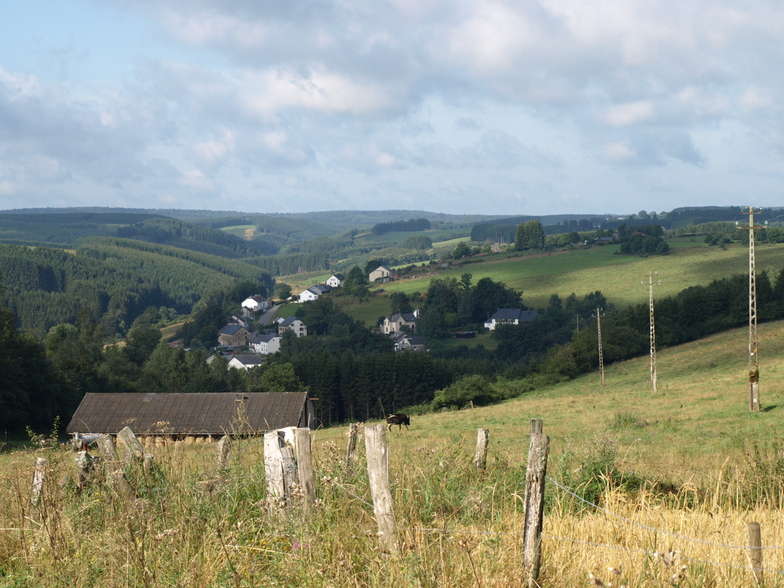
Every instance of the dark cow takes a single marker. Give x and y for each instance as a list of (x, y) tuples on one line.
[(398, 419)]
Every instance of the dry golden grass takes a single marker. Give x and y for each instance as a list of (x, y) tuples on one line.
[(711, 468)]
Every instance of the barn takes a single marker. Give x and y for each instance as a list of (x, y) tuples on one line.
[(179, 416)]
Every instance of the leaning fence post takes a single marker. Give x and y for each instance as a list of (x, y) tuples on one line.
[(353, 431), (224, 453), (755, 547), (39, 477), (133, 448), (535, 475), (305, 465), (482, 439), (378, 472)]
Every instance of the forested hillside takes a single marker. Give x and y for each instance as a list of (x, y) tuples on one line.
[(114, 280)]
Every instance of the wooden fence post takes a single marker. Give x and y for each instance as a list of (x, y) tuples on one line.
[(353, 431), (755, 547), (133, 448), (39, 477), (535, 476), (273, 467), (305, 465), (482, 439), (84, 465), (378, 472), (536, 426), (224, 453)]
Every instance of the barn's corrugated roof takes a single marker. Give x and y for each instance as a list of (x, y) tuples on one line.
[(189, 414)]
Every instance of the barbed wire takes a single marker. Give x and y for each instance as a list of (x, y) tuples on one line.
[(648, 527)]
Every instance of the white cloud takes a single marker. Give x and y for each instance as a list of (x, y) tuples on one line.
[(622, 115)]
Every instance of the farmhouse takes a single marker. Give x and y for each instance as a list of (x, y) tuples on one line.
[(396, 322), (509, 316), (234, 336), (381, 273), (405, 342), (255, 303), (336, 281), (266, 344), (293, 324), (313, 292), (195, 414)]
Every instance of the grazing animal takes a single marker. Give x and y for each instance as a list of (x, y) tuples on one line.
[(398, 419)]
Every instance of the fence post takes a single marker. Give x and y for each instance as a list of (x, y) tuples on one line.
[(353, 431), (305, 465), (273, 466), (535, 475), (133, 449), (482, 439), (39, 477), (378, 472), (224, 453), (755, 547), (536, 426)]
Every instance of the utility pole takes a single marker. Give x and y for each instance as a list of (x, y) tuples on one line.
[(578, 322), (652, 329), (754, 393), (599, 316)]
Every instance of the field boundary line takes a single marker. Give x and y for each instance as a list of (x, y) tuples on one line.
[(648, 527)]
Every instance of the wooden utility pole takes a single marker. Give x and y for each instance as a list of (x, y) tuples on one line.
[(599, 316), (651, 284), (754, 392)]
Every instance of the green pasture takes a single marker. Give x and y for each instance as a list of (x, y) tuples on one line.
[(697, 419), (437, 236), (618, 277)]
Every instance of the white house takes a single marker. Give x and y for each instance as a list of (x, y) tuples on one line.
[(255, 303), (313, 292), (509, 316), (381, 273), (336, 281), (293, 324), (266, 344), (245, 362)]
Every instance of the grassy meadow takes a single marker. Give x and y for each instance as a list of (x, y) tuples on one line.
[(582, 271), (679, 474)]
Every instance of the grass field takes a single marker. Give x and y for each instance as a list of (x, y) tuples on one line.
[(711, 467), (618, 277)]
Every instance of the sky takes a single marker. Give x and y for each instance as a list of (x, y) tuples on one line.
[(459, 106)]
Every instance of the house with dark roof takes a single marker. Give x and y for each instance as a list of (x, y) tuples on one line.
[(256, 302), (509, 316), (313, 292), (396, 322), (194, 414), (335, 280), (293, 324), (234, 336), (266, 344)]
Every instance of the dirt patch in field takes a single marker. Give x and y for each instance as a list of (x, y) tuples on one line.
[(248, 234)]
